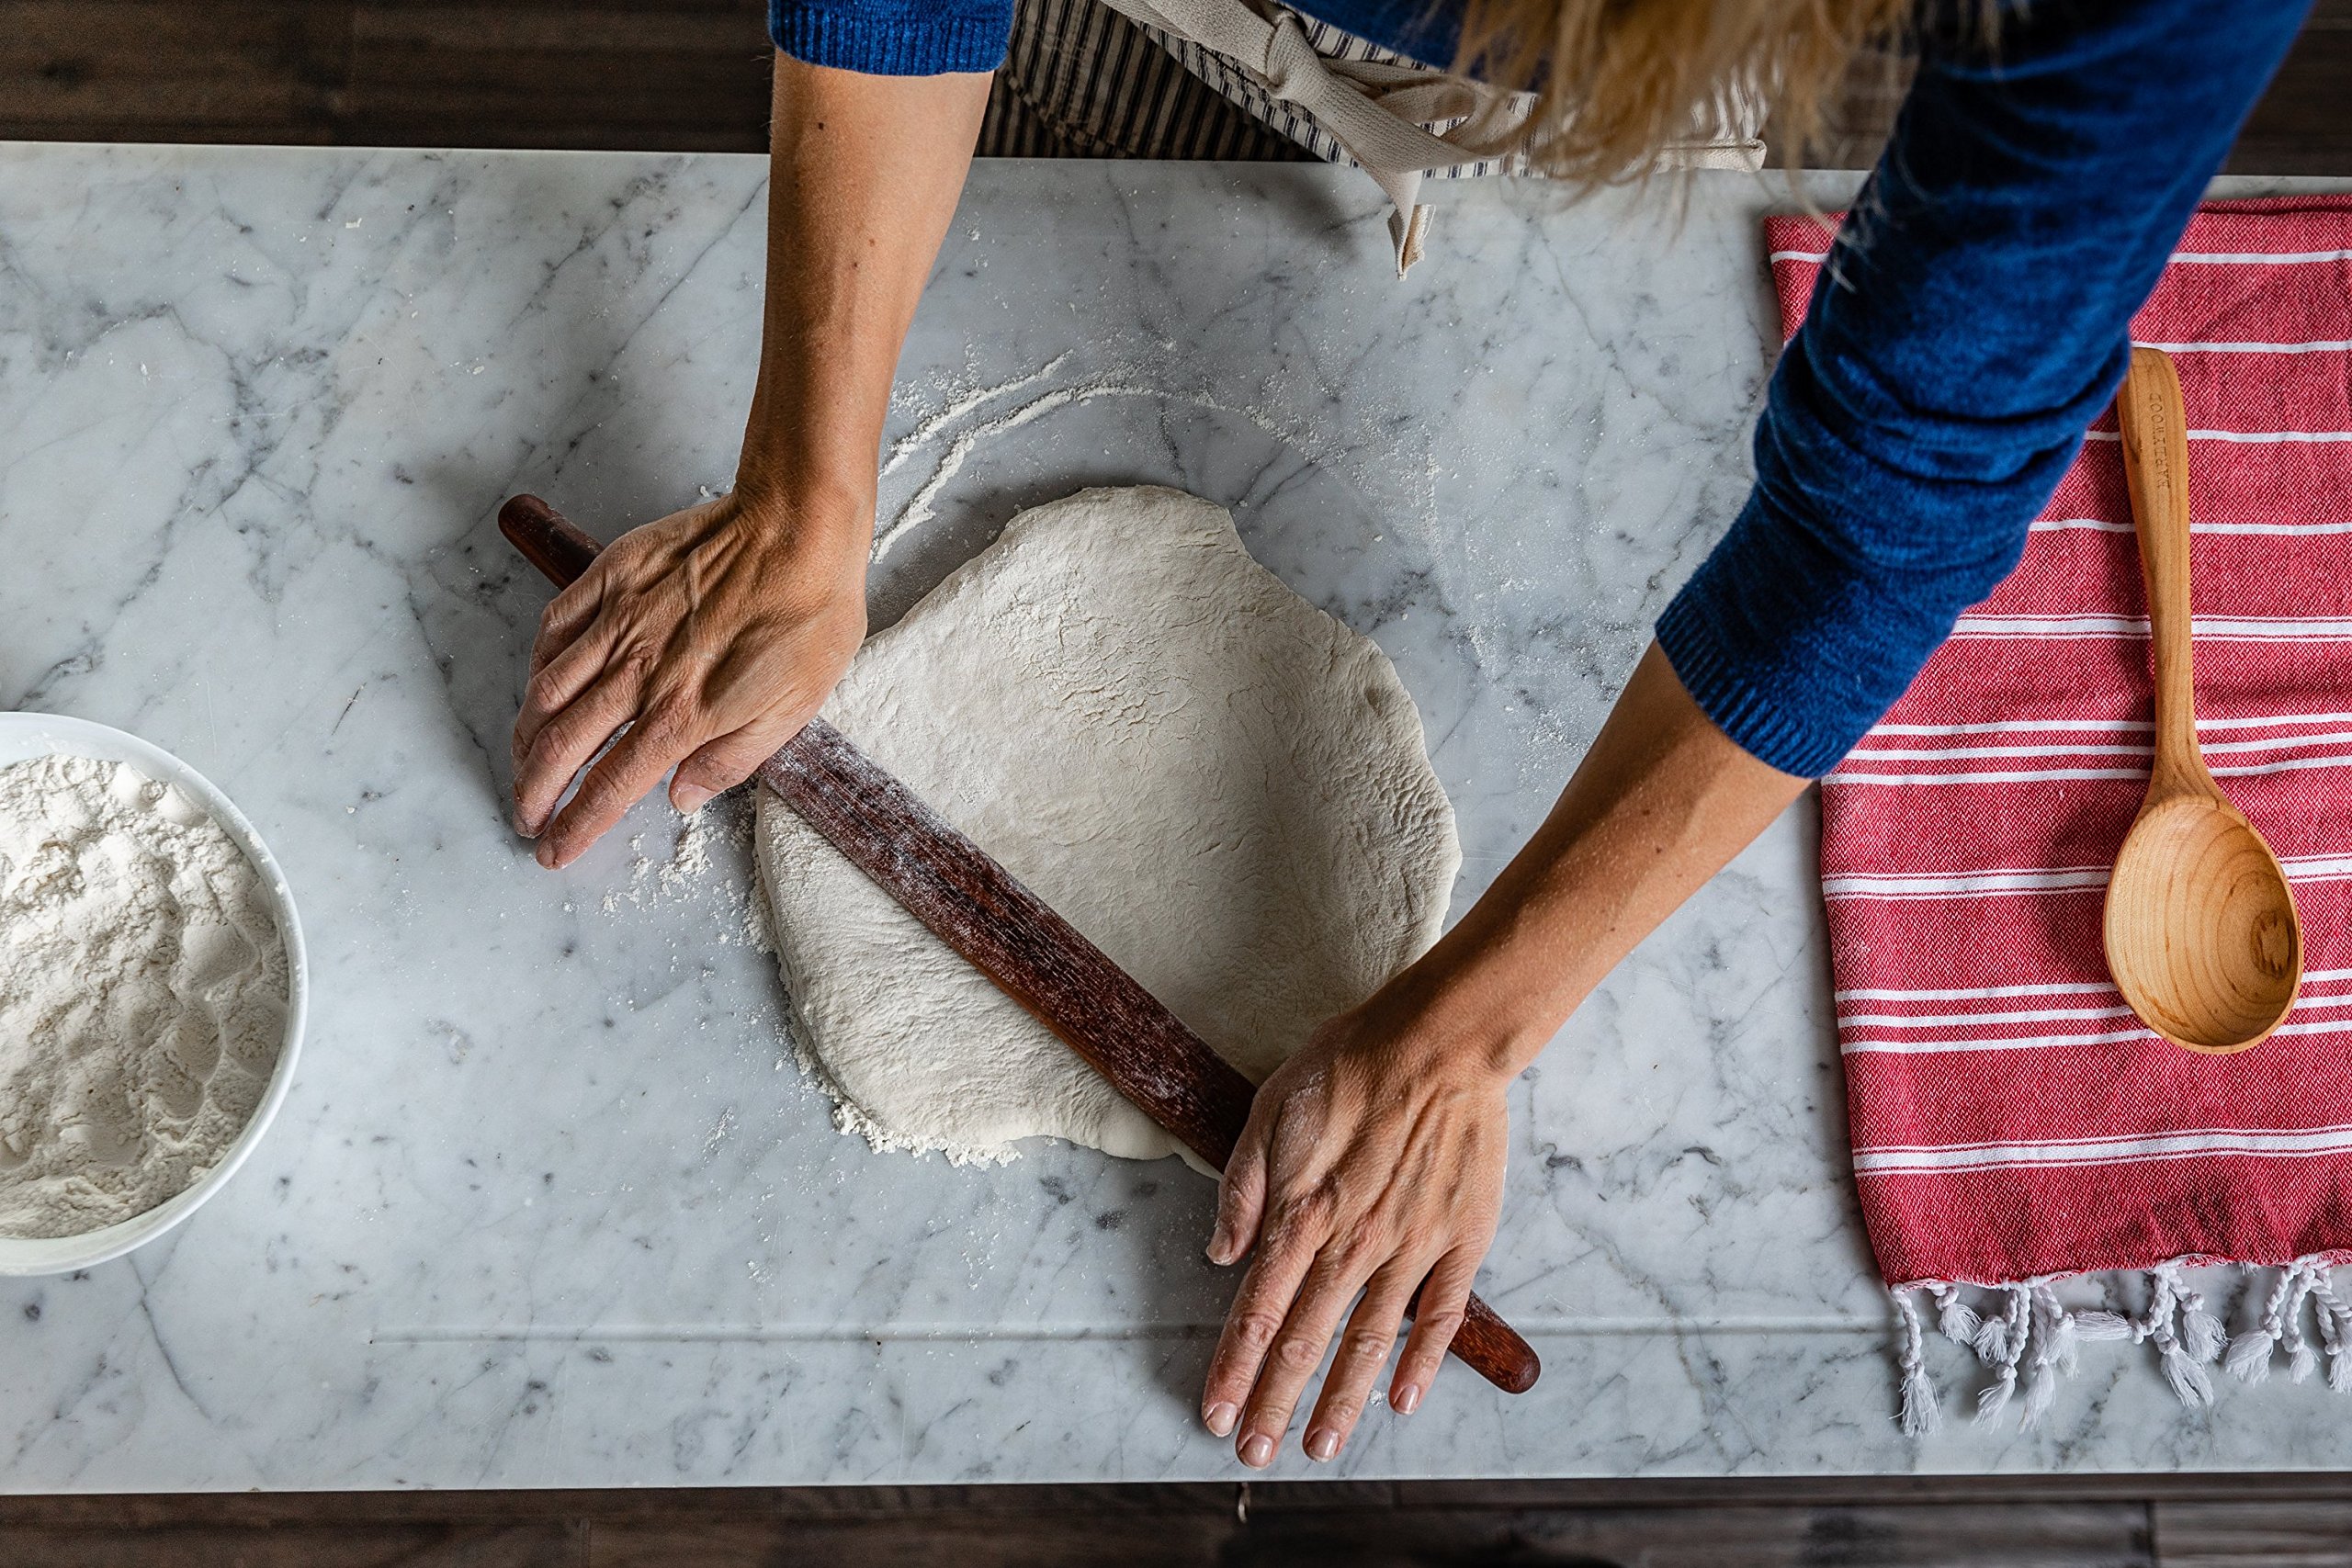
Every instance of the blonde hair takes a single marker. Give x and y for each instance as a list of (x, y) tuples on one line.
[(1616, 81)]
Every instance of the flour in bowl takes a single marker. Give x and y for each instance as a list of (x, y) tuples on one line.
[(143, 988)]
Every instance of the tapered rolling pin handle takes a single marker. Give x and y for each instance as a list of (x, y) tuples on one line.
[(1014, 938)]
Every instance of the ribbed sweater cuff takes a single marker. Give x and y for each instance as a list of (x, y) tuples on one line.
[(1763, 729), (851, 40)]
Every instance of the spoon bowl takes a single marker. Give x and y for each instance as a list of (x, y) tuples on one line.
[(2201, 933)]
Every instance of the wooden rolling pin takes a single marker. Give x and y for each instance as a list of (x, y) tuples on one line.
[(1007, 932)]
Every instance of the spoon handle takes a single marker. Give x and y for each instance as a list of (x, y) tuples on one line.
[(2155, 467)]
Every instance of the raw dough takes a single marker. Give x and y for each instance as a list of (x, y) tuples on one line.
[(1222, 786)]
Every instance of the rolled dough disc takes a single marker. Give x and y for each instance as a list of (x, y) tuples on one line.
[(1222, 786)]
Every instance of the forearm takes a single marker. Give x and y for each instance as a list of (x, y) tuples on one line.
[(1659, 805), (864, 173)]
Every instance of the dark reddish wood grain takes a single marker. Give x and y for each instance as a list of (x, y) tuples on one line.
[(1007, 932)]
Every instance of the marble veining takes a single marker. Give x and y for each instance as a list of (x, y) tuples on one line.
[(549, 1204)]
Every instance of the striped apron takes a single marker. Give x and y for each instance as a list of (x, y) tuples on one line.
[(1222, 79)]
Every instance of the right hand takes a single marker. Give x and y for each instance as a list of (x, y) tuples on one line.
[(711, 637)]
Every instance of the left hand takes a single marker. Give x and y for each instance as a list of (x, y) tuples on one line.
[(1373, 1160)]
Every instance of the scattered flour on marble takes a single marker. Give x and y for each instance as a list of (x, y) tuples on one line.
[(920, 506), (143, 989), (719, 1133), (690, 871), (958, 404)]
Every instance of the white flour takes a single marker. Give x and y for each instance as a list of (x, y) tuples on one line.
[(142, 994), (919, 507)]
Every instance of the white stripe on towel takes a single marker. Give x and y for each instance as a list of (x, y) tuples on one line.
[(2337, 345), (2054, 989), (2191, 258), (2261, 438), (2087, 749), (1963, 885), (1996, 881), (2229, 628), (2029, 775), (2049, 1042), (2258, 258), (2042, 1015), (2110, 726), (2288, 1143), (2101, 525)]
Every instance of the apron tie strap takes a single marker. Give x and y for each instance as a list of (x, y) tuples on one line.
[(1377, 112)]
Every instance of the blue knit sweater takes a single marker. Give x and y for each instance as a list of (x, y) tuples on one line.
[(1970, 325)]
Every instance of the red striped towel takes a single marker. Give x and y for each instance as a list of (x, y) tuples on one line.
[(2012, 1122)]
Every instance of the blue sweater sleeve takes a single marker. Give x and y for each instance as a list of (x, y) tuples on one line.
[(893, 38), (1971, 320)]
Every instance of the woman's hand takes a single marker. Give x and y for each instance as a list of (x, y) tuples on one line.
[(711, 636), (1374, 1157), (1373, 1160)]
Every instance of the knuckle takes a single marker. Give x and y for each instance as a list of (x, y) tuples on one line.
[(1253, 1331), (1309, 1204), (632, 663), (1440, 1324), (1297, 1353), (572, 605), (546, 746), (538, 692), (601, 793), (667, 721), (560, 739), (1366, 1344), (1355, 1253), (1287, 1235)]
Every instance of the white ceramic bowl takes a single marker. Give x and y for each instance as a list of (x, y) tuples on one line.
[(24, 736)]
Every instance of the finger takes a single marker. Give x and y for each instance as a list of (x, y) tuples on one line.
[(566, 616), (554, 687), (1285, 1254), (1444, 1296), (719, 765), (1298, 1349), (622, 777), (1241, 1191), (1371, 1331), (565, 744)]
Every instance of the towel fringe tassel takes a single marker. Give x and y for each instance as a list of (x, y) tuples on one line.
[(2304, 1285), (2189, 1382), (2002, 1343), (1955, 1319), (2033, 1341), (1921, 1416), (2334, 1332)]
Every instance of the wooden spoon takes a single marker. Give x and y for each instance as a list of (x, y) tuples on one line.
[(2201, 933)]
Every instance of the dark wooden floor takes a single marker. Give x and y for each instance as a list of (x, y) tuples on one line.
[(657, 74), (2274, 1522), (692, 74)]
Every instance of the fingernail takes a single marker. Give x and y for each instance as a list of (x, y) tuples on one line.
[(547, 853), (1220, 1417), (1322, 1445), (690, 798), (1259, 1452), (1408, 1399), (1220, 1246)]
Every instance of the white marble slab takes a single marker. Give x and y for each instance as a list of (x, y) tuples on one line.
[(550, 1205)]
